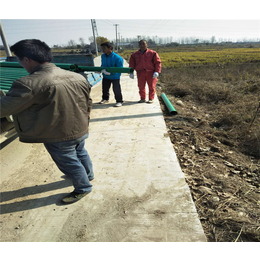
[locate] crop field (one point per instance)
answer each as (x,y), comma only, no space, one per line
(177,57)
(194,55)
(174,59)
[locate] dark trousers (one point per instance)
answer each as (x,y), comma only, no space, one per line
(106,83)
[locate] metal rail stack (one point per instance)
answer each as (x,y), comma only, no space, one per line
(10,71)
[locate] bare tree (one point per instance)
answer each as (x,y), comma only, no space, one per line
(72,43)
(213,39)
(82,42)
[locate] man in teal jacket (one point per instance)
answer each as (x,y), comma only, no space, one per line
(110,59)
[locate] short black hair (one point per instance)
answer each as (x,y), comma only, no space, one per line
(142,41)
(107,44)
(33,49)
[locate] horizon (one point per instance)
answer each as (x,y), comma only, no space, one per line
(61,31)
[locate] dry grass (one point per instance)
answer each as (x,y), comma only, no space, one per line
(216,136)
(2,53)
(231,95)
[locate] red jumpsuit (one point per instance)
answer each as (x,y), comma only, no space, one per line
(145,65)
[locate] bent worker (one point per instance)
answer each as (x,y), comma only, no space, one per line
(52,106)
(147,64)
(110,59)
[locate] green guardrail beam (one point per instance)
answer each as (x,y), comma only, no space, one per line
(74,67)
(168,104)
(10,71)
(108,69)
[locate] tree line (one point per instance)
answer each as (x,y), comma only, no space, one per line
(154,40)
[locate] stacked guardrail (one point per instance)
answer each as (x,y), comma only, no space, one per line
(10,71)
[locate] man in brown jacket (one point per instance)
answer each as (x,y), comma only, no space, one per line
(52,106)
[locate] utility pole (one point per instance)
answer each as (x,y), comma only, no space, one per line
(6,46)
(116,36)
(94,29)
(119,41)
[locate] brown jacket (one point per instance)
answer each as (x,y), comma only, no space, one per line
(49,105)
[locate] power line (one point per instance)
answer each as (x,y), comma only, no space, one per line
(152,26)
(156,25)
(161,26)
(106,21)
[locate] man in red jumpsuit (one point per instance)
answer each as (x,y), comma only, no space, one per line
(147,64)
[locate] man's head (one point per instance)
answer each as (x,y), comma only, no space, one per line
(107,47)
(143,45)
(31,53)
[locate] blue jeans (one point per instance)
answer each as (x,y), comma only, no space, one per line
(73,160)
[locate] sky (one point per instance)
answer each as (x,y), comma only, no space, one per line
(60,31)
(57,24)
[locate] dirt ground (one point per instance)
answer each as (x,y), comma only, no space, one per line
(223,181)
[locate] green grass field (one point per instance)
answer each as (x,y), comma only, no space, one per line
(180,56)
(173,59)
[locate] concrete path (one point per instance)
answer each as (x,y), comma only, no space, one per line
(139,192)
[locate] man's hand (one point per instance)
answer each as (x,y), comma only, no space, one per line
(131,76)
(155,75)
(105,72)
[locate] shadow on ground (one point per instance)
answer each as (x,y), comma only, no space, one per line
(26,204)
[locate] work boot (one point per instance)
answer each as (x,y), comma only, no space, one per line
(141,101)
(74,196)
(103,101)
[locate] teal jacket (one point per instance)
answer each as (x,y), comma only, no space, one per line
(112,60)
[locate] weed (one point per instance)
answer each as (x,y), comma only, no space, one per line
(231,94)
